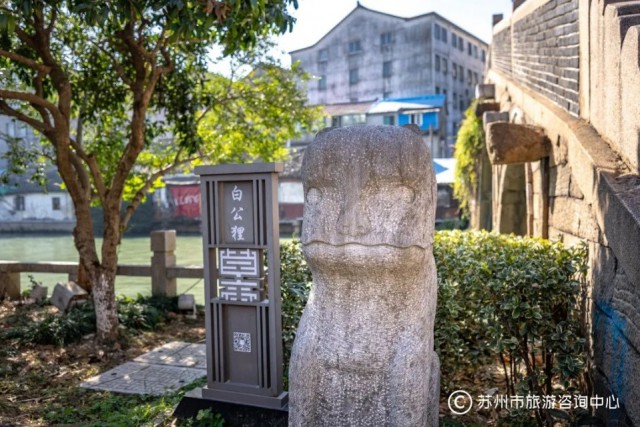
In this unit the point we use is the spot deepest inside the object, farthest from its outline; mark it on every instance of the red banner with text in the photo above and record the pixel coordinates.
(186, 199)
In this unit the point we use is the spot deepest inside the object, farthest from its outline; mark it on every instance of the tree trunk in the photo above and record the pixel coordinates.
(104, 300)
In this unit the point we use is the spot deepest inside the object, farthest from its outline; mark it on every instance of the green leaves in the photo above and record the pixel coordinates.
(515, 296)
(469, 146)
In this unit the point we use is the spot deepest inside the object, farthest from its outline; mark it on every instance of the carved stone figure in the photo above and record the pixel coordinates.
(363, 354)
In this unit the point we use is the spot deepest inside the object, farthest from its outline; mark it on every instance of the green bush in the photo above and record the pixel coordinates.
(57, 330)
(514, 300)
(140, 313)
(295, 279)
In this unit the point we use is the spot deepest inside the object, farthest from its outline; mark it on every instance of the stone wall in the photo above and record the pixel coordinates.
(572, 69)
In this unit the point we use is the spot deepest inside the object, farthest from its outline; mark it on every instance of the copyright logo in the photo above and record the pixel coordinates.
(460, 402)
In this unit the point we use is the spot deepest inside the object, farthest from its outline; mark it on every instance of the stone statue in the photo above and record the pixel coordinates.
(363, 354)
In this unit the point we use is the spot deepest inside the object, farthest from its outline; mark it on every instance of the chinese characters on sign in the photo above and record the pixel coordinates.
(240, 275)
(243, 317)
(238, 212)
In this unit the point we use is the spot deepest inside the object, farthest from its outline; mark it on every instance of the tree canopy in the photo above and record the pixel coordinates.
(121, 93)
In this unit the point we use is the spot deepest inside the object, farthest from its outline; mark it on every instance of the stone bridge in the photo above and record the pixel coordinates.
(563, 161)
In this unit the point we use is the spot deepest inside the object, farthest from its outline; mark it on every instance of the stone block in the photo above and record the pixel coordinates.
(559, 181)
(630, 111)
(66, 293)
(509, 143)
(618, 19)
(484, 106)
(485, 91)
(619, 201)
(494, 116)
(163, 241)
(574, 216)
(617, 358)
(39, 293)
(186, 302)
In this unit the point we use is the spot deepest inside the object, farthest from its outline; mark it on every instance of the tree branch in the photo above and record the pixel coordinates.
(37, 125)
(34, 65)
(31, 98)
(137, 199)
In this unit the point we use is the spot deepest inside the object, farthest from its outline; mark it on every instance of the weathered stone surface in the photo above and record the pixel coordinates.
(64, 293)
(630, 110)
(363, 353)
(574, 216)
(620, 199)
(509, 143)
(163, 245)
(38, 293)
(617, 358)
(485, 106)
(494, 116)
(485, 91)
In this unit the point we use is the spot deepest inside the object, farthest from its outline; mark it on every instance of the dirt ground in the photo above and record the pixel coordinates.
(37, 379)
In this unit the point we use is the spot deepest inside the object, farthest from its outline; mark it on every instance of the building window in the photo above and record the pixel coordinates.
(436, 31)
(475, 51)
(454, 70)
(475, 78)
(415, 119)
(353, 76)
(437, 63)
(483, 55)
(353, 119)
(354, 47)
(386, 38)
(461, 44)
(322, 83)
(454, 40)
(443, 34)
(461, 76)
(469, 48)
(18, 203)
(455, 100)
(389, 120)
(386, 95)
(445, 65)
(461, 104)
(323, 55)
(437, 90)
(55, 203)
(469, 77)
(386, 69)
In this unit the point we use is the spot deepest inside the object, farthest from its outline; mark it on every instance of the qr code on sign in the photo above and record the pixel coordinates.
(242, 342)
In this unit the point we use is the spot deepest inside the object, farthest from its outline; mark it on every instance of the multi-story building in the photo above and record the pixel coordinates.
(370, 56)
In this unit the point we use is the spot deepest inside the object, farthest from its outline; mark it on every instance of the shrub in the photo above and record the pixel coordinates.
(57, 329)
(295, 279)
(140, 313)
(516, 299)
(500, 297)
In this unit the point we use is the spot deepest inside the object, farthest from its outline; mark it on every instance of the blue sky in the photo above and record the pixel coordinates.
(316, 17)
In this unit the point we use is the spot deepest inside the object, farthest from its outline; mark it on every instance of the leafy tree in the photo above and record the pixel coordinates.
(105, 83)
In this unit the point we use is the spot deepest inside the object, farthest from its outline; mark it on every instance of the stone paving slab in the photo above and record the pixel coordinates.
(177, 354)
(160, 371)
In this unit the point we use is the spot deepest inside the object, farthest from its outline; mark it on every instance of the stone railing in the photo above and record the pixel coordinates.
(163, 270)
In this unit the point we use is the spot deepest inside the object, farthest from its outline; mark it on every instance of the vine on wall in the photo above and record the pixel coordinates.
(468, 150)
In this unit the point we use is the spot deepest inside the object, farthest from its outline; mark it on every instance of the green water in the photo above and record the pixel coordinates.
(134, 250)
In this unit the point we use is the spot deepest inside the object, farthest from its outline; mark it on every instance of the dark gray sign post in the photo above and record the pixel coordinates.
(243, 318)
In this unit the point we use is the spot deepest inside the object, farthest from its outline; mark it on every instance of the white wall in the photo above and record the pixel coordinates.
(38, 206)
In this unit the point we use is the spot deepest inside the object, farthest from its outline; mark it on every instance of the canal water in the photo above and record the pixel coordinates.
(133, 250)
